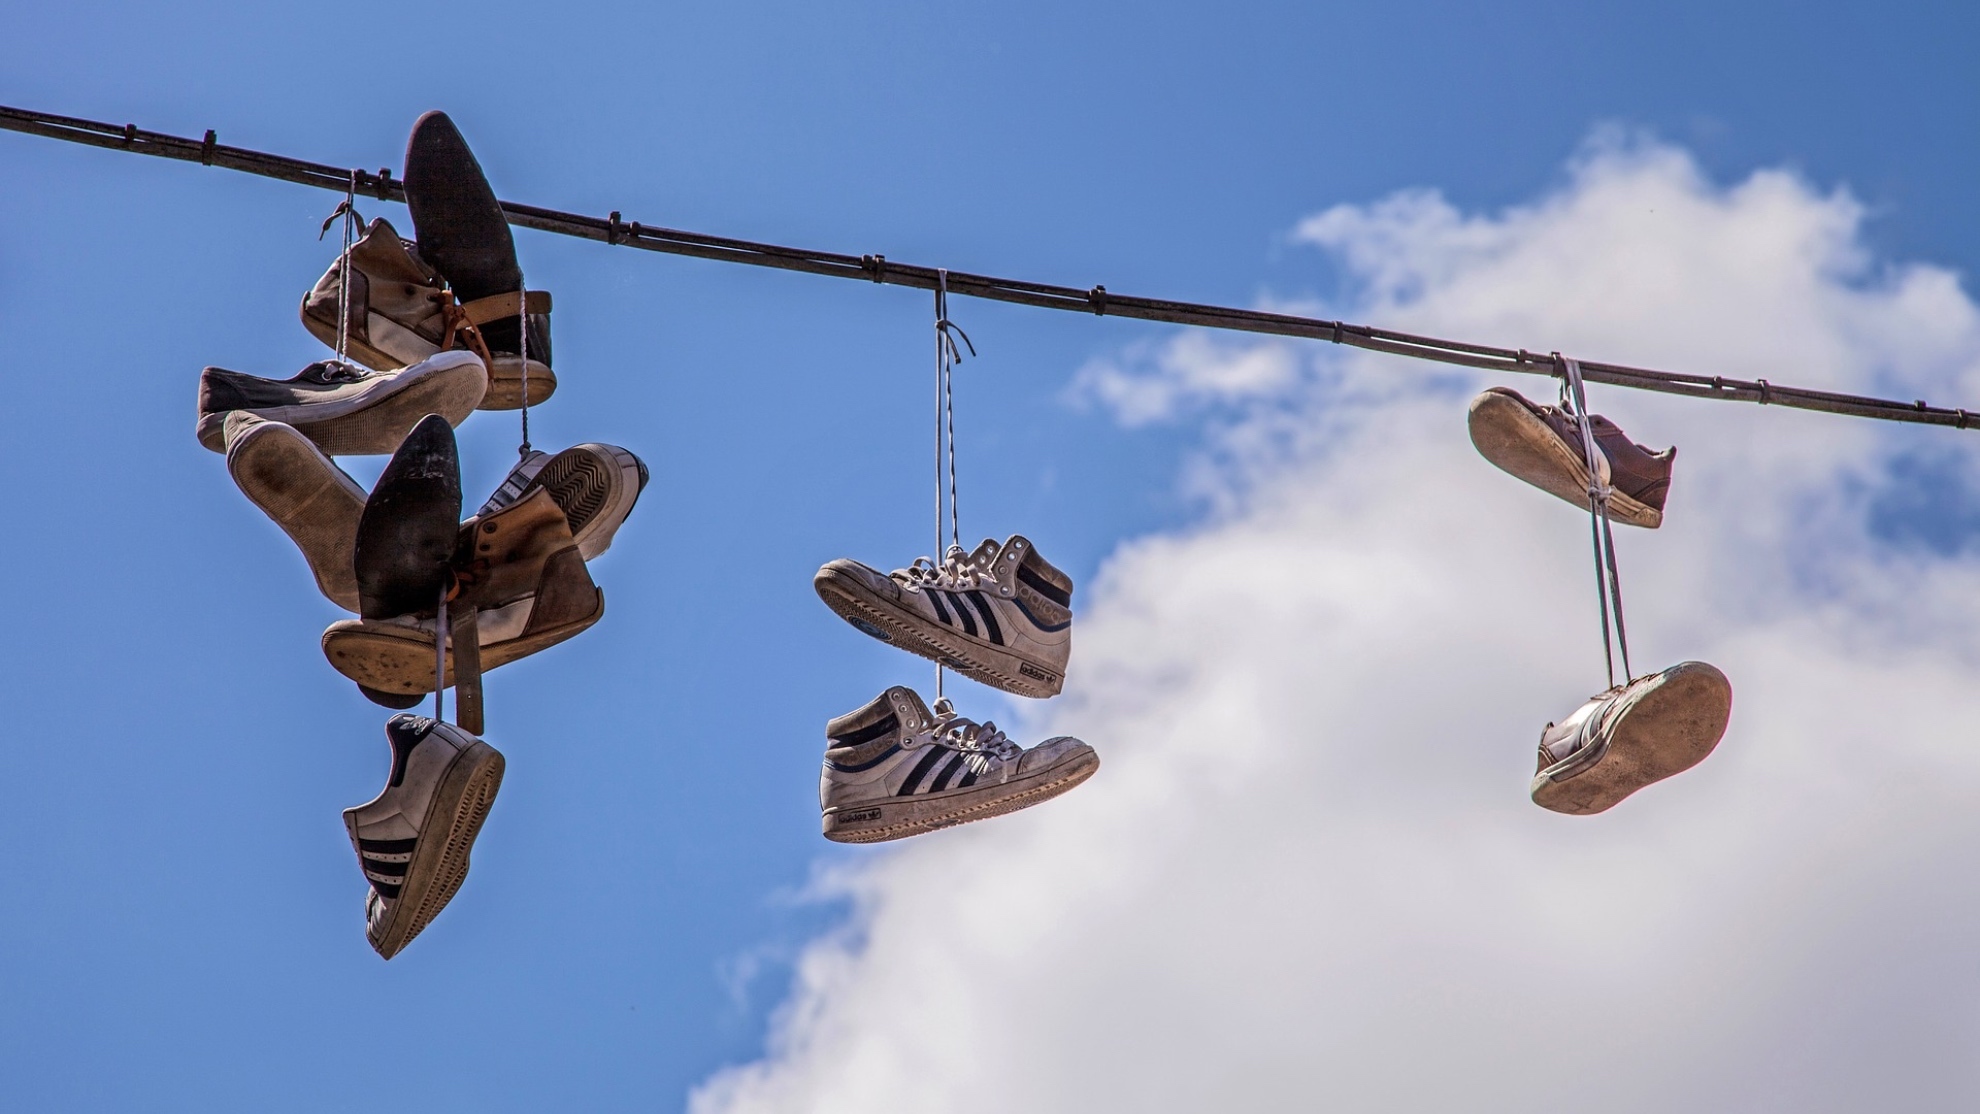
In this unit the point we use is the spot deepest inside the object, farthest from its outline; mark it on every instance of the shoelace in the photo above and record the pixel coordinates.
(957, 570)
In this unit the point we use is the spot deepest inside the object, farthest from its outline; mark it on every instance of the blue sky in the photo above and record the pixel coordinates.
(186, 925)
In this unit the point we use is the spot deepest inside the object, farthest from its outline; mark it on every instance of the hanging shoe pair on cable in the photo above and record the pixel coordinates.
(1000, 614)
(1647, 728)
(435, 325)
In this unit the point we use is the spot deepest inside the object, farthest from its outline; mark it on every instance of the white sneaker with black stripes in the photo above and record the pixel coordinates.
(594, 485)
(1000, 615)
(894, 769)
(413, 839)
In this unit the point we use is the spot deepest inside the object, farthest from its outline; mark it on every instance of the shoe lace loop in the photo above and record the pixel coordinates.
(981, 743)
(958, 570)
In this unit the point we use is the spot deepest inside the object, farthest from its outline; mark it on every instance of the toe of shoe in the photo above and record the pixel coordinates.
(1058, 751)
(849, 573)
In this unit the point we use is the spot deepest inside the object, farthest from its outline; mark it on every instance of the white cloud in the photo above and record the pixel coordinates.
(1308, 877)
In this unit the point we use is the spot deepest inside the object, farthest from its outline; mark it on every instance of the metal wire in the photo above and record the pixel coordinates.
(879, 269)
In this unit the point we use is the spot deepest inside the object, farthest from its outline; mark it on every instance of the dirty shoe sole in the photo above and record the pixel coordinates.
(450, 384)
(1511, 437)
(311, 499)
(1668, 730)
(505, 380)
(440, 863)
(976, 658)
(595, 486)
(396, 660)
(900, 817)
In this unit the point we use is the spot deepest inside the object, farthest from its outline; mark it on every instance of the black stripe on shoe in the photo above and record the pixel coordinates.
(863, 766)
(941, 612)
(920, 771)
(387, 890)
(391, 872)
(968, 779)
(969, 624)
(942, 779)
(1044, 587)
(388, 846)
(867, 734)
(989, 620)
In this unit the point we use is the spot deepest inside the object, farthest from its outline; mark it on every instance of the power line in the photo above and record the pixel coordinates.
(879, 269)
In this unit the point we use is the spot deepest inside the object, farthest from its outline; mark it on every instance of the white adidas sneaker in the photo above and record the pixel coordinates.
(894, 769)
(413, 839)
(1000, 615)
(594, 485)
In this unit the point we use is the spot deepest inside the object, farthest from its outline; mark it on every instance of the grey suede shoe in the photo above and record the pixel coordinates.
(413, 840)
(1631, 736)
(894, 769)
(1542, 445)
(1000, 615)
(310, 498)
(344, 409)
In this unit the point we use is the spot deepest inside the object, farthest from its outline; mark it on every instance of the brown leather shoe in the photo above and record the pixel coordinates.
(1542, 445)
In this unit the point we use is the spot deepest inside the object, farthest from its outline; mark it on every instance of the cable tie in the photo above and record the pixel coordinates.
(1959, 419)
(1920, 403)
(637, 232)
(1097, 298)
(206, 148)
(1337, 332)
(384, 183)
(1765, 395)
(130, 135)
(875, 263)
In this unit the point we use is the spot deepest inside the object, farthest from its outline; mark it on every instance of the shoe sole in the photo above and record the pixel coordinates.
(1669, 729)
(439, 866)
(900, 817)
(977, 659)
(505, 384)
(595, 486)
(375, 424)
(397, 661)
(311, 499)
(1506, 433)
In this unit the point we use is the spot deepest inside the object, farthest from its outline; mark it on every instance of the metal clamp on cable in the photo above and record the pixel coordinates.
(612, 228)
(875, 263)
(206, 148)
(1097, 298)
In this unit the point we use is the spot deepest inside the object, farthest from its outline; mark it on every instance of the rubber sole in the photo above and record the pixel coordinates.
(505, 384)
(977, 659)
(1667, 730)
(1506, 433)
(440, 860)
(893, 818)
(596, 487)
(311, 499)
(397, 661)
(376, 423)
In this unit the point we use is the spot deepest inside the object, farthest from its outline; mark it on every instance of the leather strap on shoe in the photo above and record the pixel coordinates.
(495, 307)
(467, 665)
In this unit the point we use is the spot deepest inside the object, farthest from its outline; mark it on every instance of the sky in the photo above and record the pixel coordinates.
(1317, 636)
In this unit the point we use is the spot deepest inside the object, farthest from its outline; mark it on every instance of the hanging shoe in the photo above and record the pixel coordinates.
(413, 839)
(594, 485)
(1000, 615)
(345, 409)
(1631, 736)
(393, 315)
(893, 769)
(464, 236)
(392, 660)
(1542, 445)
(411, 522)
(311, 499)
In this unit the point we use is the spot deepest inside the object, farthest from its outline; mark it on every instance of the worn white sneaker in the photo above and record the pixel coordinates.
(893, 769)
(1000, 615)
(310, 498)
(1631, 736)
(345, 409)
(594, 485)
(413, 839)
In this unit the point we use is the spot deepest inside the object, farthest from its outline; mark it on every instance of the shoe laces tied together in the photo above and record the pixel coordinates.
(959, 571)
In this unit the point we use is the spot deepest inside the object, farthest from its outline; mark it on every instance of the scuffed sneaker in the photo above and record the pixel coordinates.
(894, 769)
(1542, 445)
(1000, 615)
(1631, 736)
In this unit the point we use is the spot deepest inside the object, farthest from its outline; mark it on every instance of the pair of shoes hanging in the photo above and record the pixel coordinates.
(1647, 728)
(517, 566)
(1001, 615)
(436, 325)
